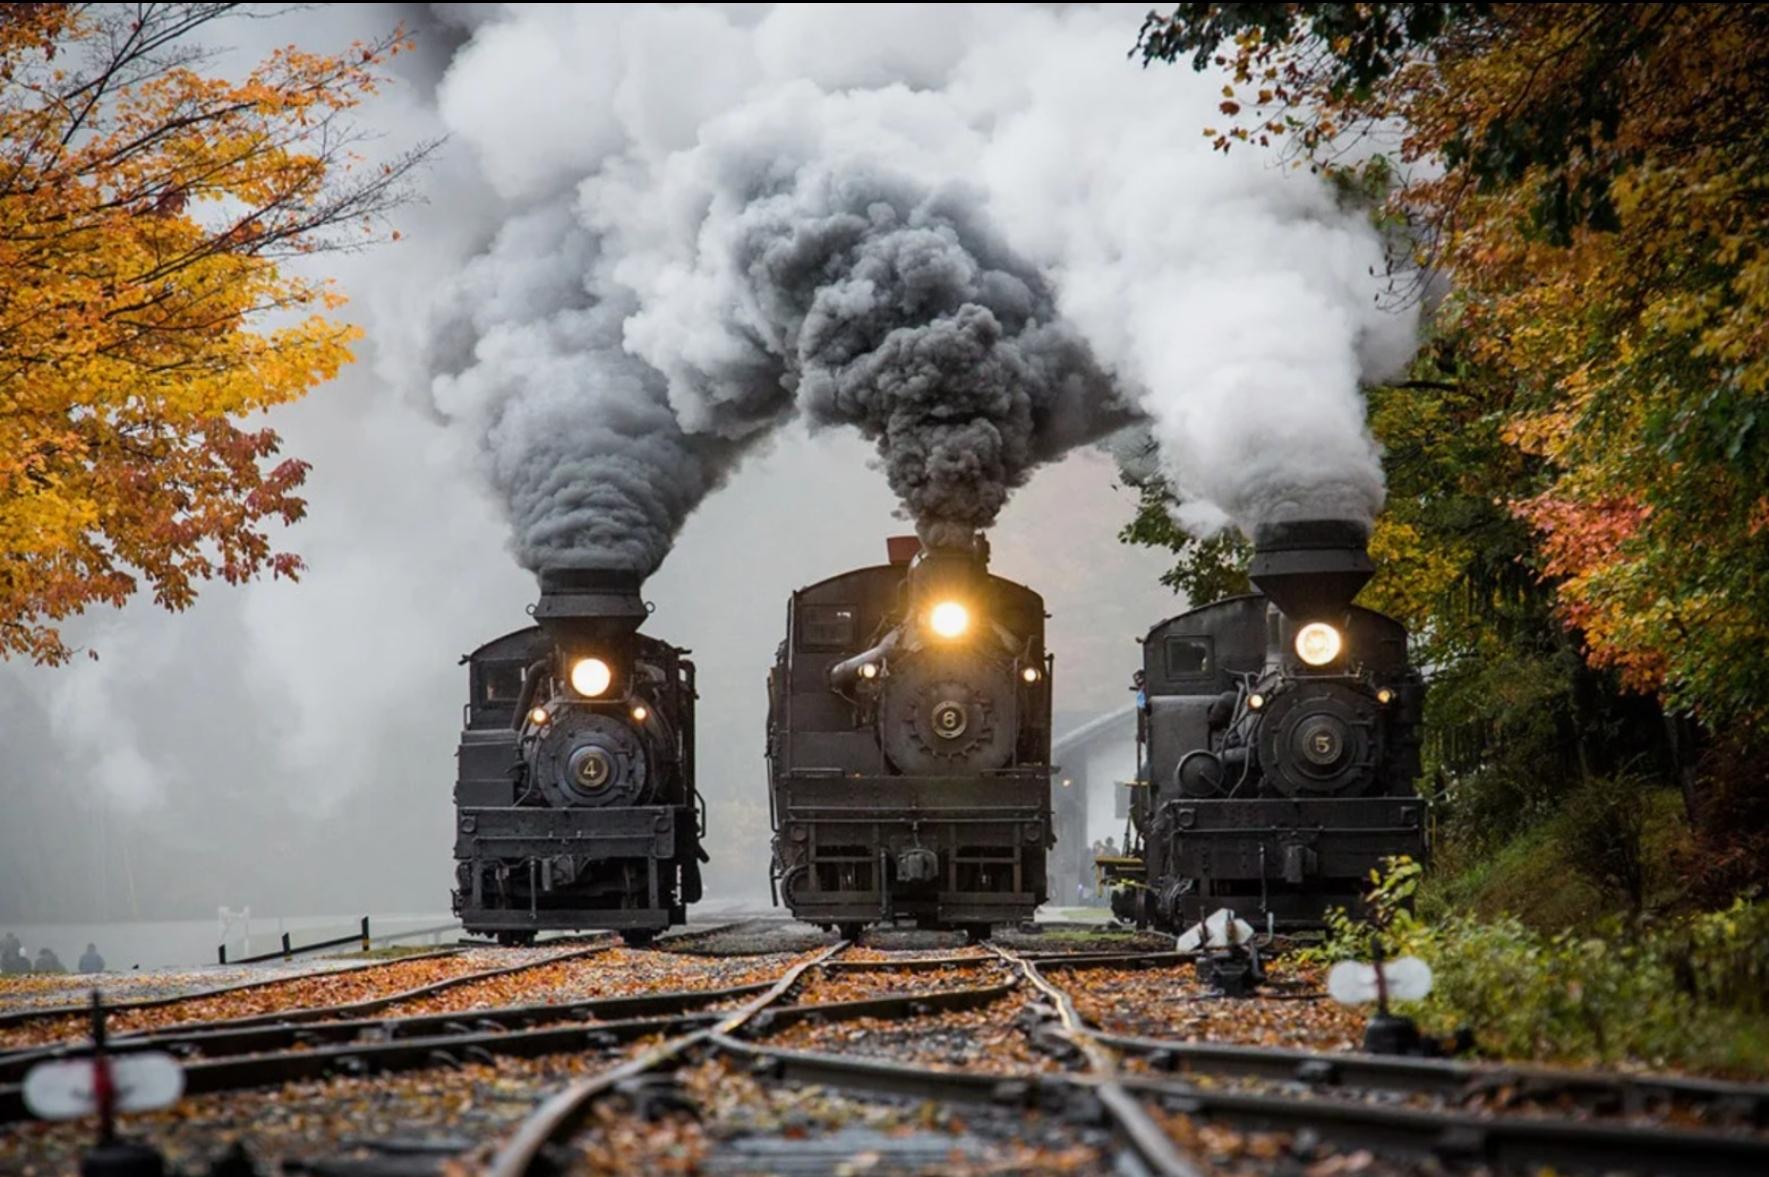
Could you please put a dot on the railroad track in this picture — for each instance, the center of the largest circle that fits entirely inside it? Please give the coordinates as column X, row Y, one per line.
column 1445, row 1134
column 280, row 1029
column 1132, row 1087
column 14, row 1063
column 1504, row 1139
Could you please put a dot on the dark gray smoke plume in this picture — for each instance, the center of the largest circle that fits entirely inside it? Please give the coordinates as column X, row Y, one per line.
column 898, row 311
column 854, row 296
column 579, row 435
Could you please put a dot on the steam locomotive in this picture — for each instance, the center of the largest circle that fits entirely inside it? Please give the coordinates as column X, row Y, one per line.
column 575, row 804
column 909, row 745
column 1277, row 743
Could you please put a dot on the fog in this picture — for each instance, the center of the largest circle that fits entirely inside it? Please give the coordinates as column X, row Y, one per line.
column 291, row 745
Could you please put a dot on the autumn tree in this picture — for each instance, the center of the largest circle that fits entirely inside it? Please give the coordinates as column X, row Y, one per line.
column 1592, row 179
column 149, row 211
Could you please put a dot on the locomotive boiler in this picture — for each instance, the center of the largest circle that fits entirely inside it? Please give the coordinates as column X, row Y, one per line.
column 575, row 804
column 909, row 745
column 1278, row 742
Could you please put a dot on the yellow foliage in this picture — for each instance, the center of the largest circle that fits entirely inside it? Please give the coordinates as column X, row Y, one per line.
column 144, row 213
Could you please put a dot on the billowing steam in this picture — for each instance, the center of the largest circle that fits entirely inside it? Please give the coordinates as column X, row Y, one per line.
column 875, row 303
column 579, row 435
column 695, row 255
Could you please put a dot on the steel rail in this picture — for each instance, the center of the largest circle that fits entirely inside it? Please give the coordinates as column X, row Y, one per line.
column 210, row 1044
column 1147, row 1138
column 1508, row 1141
column 10, row 1018
column 910, row 964
column 1448, row 1077
column 1109, row 960
column 521, row 1155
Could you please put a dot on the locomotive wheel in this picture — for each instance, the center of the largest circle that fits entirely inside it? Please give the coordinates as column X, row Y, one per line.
column 977, row 933
column 638, row 937
column 851, row 932
column 515, row 939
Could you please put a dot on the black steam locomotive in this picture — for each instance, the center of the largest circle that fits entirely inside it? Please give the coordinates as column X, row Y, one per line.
column 575, row 805
column 1278, row 743
column 909, row 745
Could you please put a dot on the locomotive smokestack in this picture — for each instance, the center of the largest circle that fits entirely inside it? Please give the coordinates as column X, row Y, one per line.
column 589, row 604
column 1311, row 568
column 948, row 572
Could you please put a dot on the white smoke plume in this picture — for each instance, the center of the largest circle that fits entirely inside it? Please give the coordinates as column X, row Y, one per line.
column 978, row 241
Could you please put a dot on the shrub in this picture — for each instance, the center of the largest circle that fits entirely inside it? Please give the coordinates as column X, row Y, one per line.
column 1688, row 993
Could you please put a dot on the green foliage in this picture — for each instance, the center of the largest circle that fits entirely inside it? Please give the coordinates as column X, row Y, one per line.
column 1369, row 40
column 1204, row 570
column 1604, row 830
column 1683, row 993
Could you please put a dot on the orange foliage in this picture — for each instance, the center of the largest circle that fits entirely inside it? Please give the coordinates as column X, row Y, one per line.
column 145, row 213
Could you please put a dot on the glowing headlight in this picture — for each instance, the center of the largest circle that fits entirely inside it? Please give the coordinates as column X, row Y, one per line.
column 949, row 619
column 590, row 676
column 1318, row 643
column 868, row 670
column 1255, row 701
column 1385, row 696
column 538, row 716
column 1030, row 674
column 639, row 713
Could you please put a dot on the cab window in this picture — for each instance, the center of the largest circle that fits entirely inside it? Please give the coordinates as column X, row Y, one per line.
column 1189, row 658
column 500, row 683
column 828, row 627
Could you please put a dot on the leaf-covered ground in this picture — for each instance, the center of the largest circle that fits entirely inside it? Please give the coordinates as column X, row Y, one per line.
column 989, row 1039
column 55, row 990
column 619, row 972
column 1170, row 1002
column 715, row 1117
column 304, row 992
column 827, row 986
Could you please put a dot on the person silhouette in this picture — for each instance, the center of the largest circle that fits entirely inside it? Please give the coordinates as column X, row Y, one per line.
column 90, row 961
column 48, row 962
column 12, row 956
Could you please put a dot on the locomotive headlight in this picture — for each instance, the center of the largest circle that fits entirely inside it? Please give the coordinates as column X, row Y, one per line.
column 1255, row 701
column 538, row 716
column 868, row 670
column 949, row 619
column 590, row 676
column 639, row 713
column 1385, row 696
column 1030, row 674
column 1318, row 643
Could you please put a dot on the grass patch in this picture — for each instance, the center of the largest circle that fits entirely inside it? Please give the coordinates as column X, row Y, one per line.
column 1539, row 878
